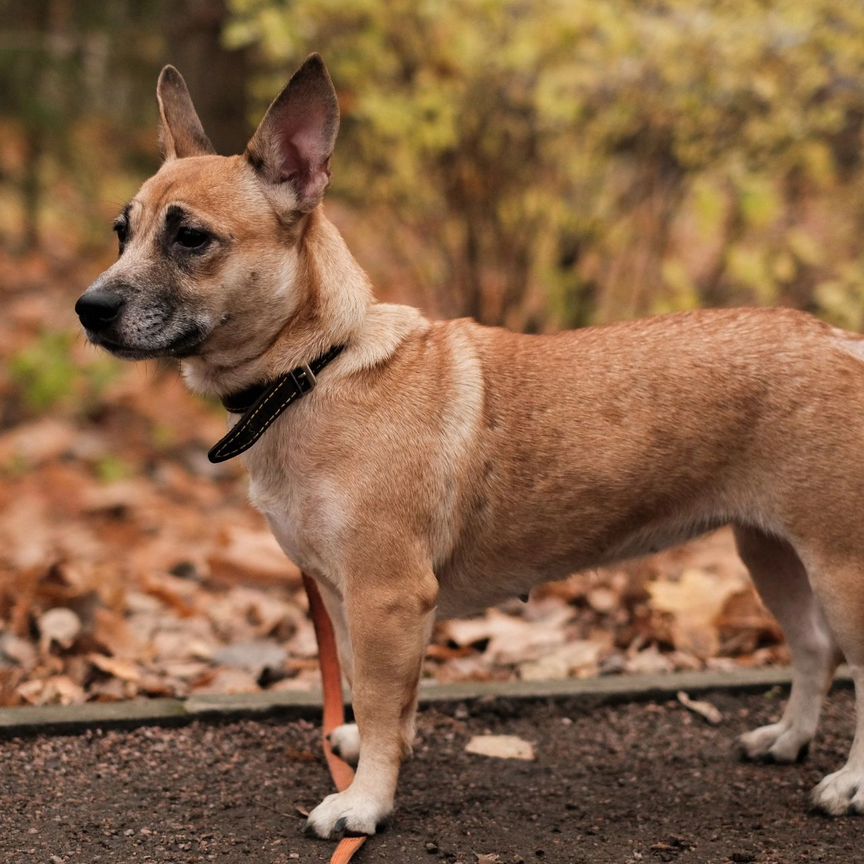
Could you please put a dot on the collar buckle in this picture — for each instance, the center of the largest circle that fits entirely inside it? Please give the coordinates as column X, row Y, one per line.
column 304, row 378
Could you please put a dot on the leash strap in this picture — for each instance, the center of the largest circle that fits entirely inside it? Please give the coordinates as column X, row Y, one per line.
column 334, row 706
column 261, row 404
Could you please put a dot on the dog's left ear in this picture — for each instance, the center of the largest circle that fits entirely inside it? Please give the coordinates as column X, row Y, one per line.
column 180, row 131
column 295, row 140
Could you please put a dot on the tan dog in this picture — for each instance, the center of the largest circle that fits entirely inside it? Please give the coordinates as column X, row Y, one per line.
column 441, row 466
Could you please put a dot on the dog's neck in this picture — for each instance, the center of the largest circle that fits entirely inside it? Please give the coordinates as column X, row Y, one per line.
column 334, row 296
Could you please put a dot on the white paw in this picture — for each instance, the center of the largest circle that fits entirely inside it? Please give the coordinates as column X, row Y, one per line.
column 841, row 792
column 347, row 812
column 345, row 742
column 774, row 743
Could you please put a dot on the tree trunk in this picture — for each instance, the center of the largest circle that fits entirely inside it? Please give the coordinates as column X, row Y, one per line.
column 215, row 75
column 31, row 190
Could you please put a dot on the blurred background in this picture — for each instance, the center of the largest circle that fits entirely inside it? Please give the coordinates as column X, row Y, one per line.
column 535, row 163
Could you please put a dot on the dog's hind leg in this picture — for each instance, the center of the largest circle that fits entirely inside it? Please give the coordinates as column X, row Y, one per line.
column 782, row 582
column 838, row 580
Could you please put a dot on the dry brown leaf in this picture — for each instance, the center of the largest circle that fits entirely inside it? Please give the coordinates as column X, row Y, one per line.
column 245, row 555
column 20, row 651
column 574, row 657
column 227, row 681
column 444, row 653
column 695, row 602
column 173, row 592
column 184, row 643
column 512, row 639
column 188, row 670
column 471, row 668
column 254, row 657
column 743, row 615
column 501, row 747
column 113, row 633
column 58, row 689
column 303, row 643
column 125, row 670
column 648, row 662
column 707, row 711
column 112, row 690
column 58, row 625
column 36, row 442
column 603, row 599
column 10, row 680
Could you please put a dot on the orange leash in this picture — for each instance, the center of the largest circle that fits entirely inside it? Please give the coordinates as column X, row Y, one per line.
column 334, row 706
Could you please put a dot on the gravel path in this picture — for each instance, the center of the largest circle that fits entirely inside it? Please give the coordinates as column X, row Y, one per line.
column 618, row 783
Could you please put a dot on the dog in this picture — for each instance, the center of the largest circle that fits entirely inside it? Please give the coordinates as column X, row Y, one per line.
column 424, row 468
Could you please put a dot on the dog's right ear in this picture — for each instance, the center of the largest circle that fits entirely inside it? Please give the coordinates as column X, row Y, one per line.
column 180, row 132
column 294, row 142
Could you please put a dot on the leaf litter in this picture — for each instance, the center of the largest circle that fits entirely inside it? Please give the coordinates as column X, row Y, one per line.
column 132, row 567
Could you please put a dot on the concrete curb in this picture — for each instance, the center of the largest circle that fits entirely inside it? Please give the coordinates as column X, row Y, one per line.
column 56, row 719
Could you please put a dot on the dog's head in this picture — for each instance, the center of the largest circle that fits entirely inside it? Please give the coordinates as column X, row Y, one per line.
column 209, row 262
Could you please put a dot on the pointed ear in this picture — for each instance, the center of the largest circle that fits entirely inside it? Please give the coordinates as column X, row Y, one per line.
column 180, row 132
column 295, row 140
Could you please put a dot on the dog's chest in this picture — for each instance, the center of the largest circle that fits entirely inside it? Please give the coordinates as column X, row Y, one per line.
column 307, row 515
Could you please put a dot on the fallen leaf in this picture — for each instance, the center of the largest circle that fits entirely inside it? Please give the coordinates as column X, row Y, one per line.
column 187, row 670
column 113, row 633
column 744, row 623
column 648, row 662
column 10, row 680
column 602, row 599
column 227, row 681
column 501, row 747
column 254, row 657
column 707, row 711
column 695, row 601
column 125, row 670
column 512, row 639
column 576, row 656
column 37, row 442
column 111, row 690
column 18, row 650
column 245, row 555
column 58, row 689
column 58, row 625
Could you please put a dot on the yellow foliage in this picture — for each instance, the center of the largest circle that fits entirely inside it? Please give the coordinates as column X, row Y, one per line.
column 625, row 131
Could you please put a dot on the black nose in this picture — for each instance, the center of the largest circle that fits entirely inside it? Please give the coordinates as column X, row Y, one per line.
column 98, row 309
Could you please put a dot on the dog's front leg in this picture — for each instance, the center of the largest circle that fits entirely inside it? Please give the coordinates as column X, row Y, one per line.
column 389, row 620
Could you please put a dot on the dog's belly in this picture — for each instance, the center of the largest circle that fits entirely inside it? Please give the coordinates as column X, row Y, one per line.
column 476, row 581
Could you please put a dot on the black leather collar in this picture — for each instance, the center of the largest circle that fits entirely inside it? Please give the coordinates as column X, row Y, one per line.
column 261, row 404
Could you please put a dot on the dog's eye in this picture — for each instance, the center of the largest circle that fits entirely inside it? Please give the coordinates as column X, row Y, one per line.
column 121, row 229
column 191, row 238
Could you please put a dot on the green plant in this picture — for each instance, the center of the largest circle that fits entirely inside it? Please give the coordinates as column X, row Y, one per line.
column 47, row 376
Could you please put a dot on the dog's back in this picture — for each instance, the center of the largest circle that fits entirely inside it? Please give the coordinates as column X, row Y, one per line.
column 643, row 434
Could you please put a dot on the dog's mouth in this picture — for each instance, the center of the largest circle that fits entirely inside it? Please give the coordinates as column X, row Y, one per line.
column 183, row 345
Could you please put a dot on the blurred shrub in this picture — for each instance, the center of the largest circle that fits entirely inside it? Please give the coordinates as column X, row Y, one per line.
column 75, row 76
column 594, row 160
column 47, row 375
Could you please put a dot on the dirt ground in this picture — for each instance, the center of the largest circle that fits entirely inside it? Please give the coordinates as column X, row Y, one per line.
column 616, row 783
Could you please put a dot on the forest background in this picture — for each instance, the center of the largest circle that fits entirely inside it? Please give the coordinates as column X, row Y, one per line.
column 535, row 163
